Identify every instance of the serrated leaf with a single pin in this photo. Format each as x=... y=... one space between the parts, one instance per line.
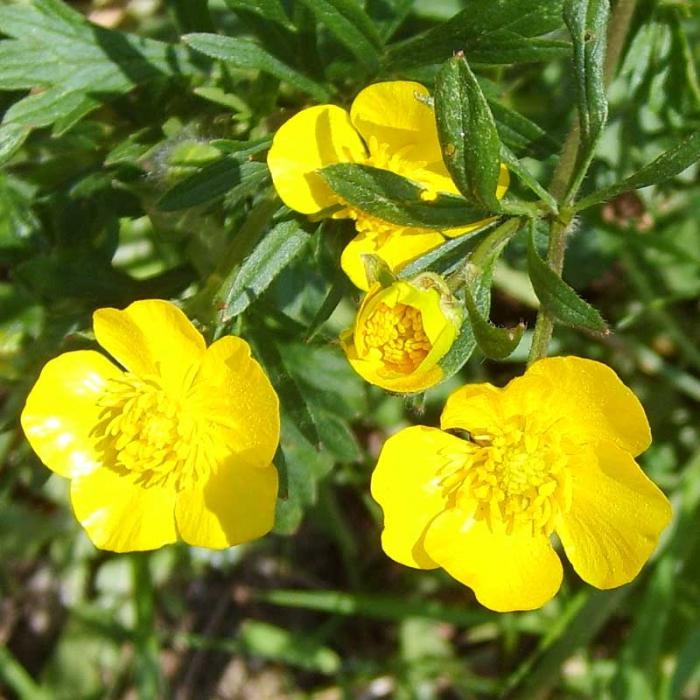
x=489 y=32
x=559 y=298
x=496 y=343
x=79 y=65
x=395 y=199
x=672 y=162
x=212 y=181
x=468 y=135
x=347 y=21
x=587 y=21
x=246 y=54
x=275 y=251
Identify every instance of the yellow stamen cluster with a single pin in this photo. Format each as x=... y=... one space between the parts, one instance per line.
x=515 y=479
x=397 y=333
x=151 y=433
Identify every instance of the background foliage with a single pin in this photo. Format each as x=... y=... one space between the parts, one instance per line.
x=132 y=153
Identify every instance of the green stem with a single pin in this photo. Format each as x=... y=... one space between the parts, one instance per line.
x=146 y=664
x=567 y=178
x=17 y=679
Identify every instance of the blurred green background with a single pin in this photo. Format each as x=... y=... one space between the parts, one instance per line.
x=125 y=188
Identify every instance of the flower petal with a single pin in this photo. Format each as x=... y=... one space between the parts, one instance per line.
x=121 y=515
x=396 y=249
x=593 y=400
x=473 y=407
x=61 y=411
x=506 y=572
x=310 y=140
x=394 y=114
x=236 y=505
x=615 y=520
x=234 y=393
x=405 y=484
x=151 y=337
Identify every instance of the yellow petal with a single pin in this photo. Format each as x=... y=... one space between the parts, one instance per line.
x=473 y=407
x=393 y=113
x=405 y=483
x=61 y=412
x=593 y=401
x=506 y=572
x=615 y=520
x=234 y=393
x=236 y=505
x=151 y=338
x=121 y=515
x=396 y=249
x=310 y=140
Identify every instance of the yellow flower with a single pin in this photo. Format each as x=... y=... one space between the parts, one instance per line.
x=179 y=444
x=552 y=452
x=401 y=332
x=390 y=126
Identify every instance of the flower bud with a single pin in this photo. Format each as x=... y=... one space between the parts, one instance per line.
x=401 y=333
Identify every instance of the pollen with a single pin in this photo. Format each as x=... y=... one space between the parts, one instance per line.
x=514 y=479
x=396 y=333
x=151 y=433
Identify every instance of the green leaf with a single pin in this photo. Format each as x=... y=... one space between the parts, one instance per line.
x=246 y=54
x=347 y=21
x=272 y=10
x=587 y=21
x=672 y=162
x=470 y=144
x=276 y=250
x=496 y=343
x=395 y=199
x=518 y=132
x=517 y=168
x=290 y=648
x=489 y=32
x=12 y=136
x=212 y=181
x=559 y=298
x=191 y=15
x=78 y=65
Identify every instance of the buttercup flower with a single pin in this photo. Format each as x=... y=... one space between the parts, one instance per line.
x=178 y=444
x=401 y=332
x=552 y=452
x=390 y=126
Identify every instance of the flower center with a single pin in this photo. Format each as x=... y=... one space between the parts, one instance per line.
x=152 y=434
x=515 y=479
x=396 y=333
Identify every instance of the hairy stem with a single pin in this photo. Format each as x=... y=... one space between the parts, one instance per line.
x=561 y=187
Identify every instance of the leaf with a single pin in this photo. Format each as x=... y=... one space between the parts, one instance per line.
x=347 y=21
x=276 y=250
x=395 y=199
x=79 y=65
x=210 y=182
x=272 y=10
x=519 y=133
x=516 y=167
x=496 y=343
x=559 y=298
x=587 y=21
x=489 y=32
x=246 y=54
x=468 y=135
x=672 y=162
x=12 y=136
